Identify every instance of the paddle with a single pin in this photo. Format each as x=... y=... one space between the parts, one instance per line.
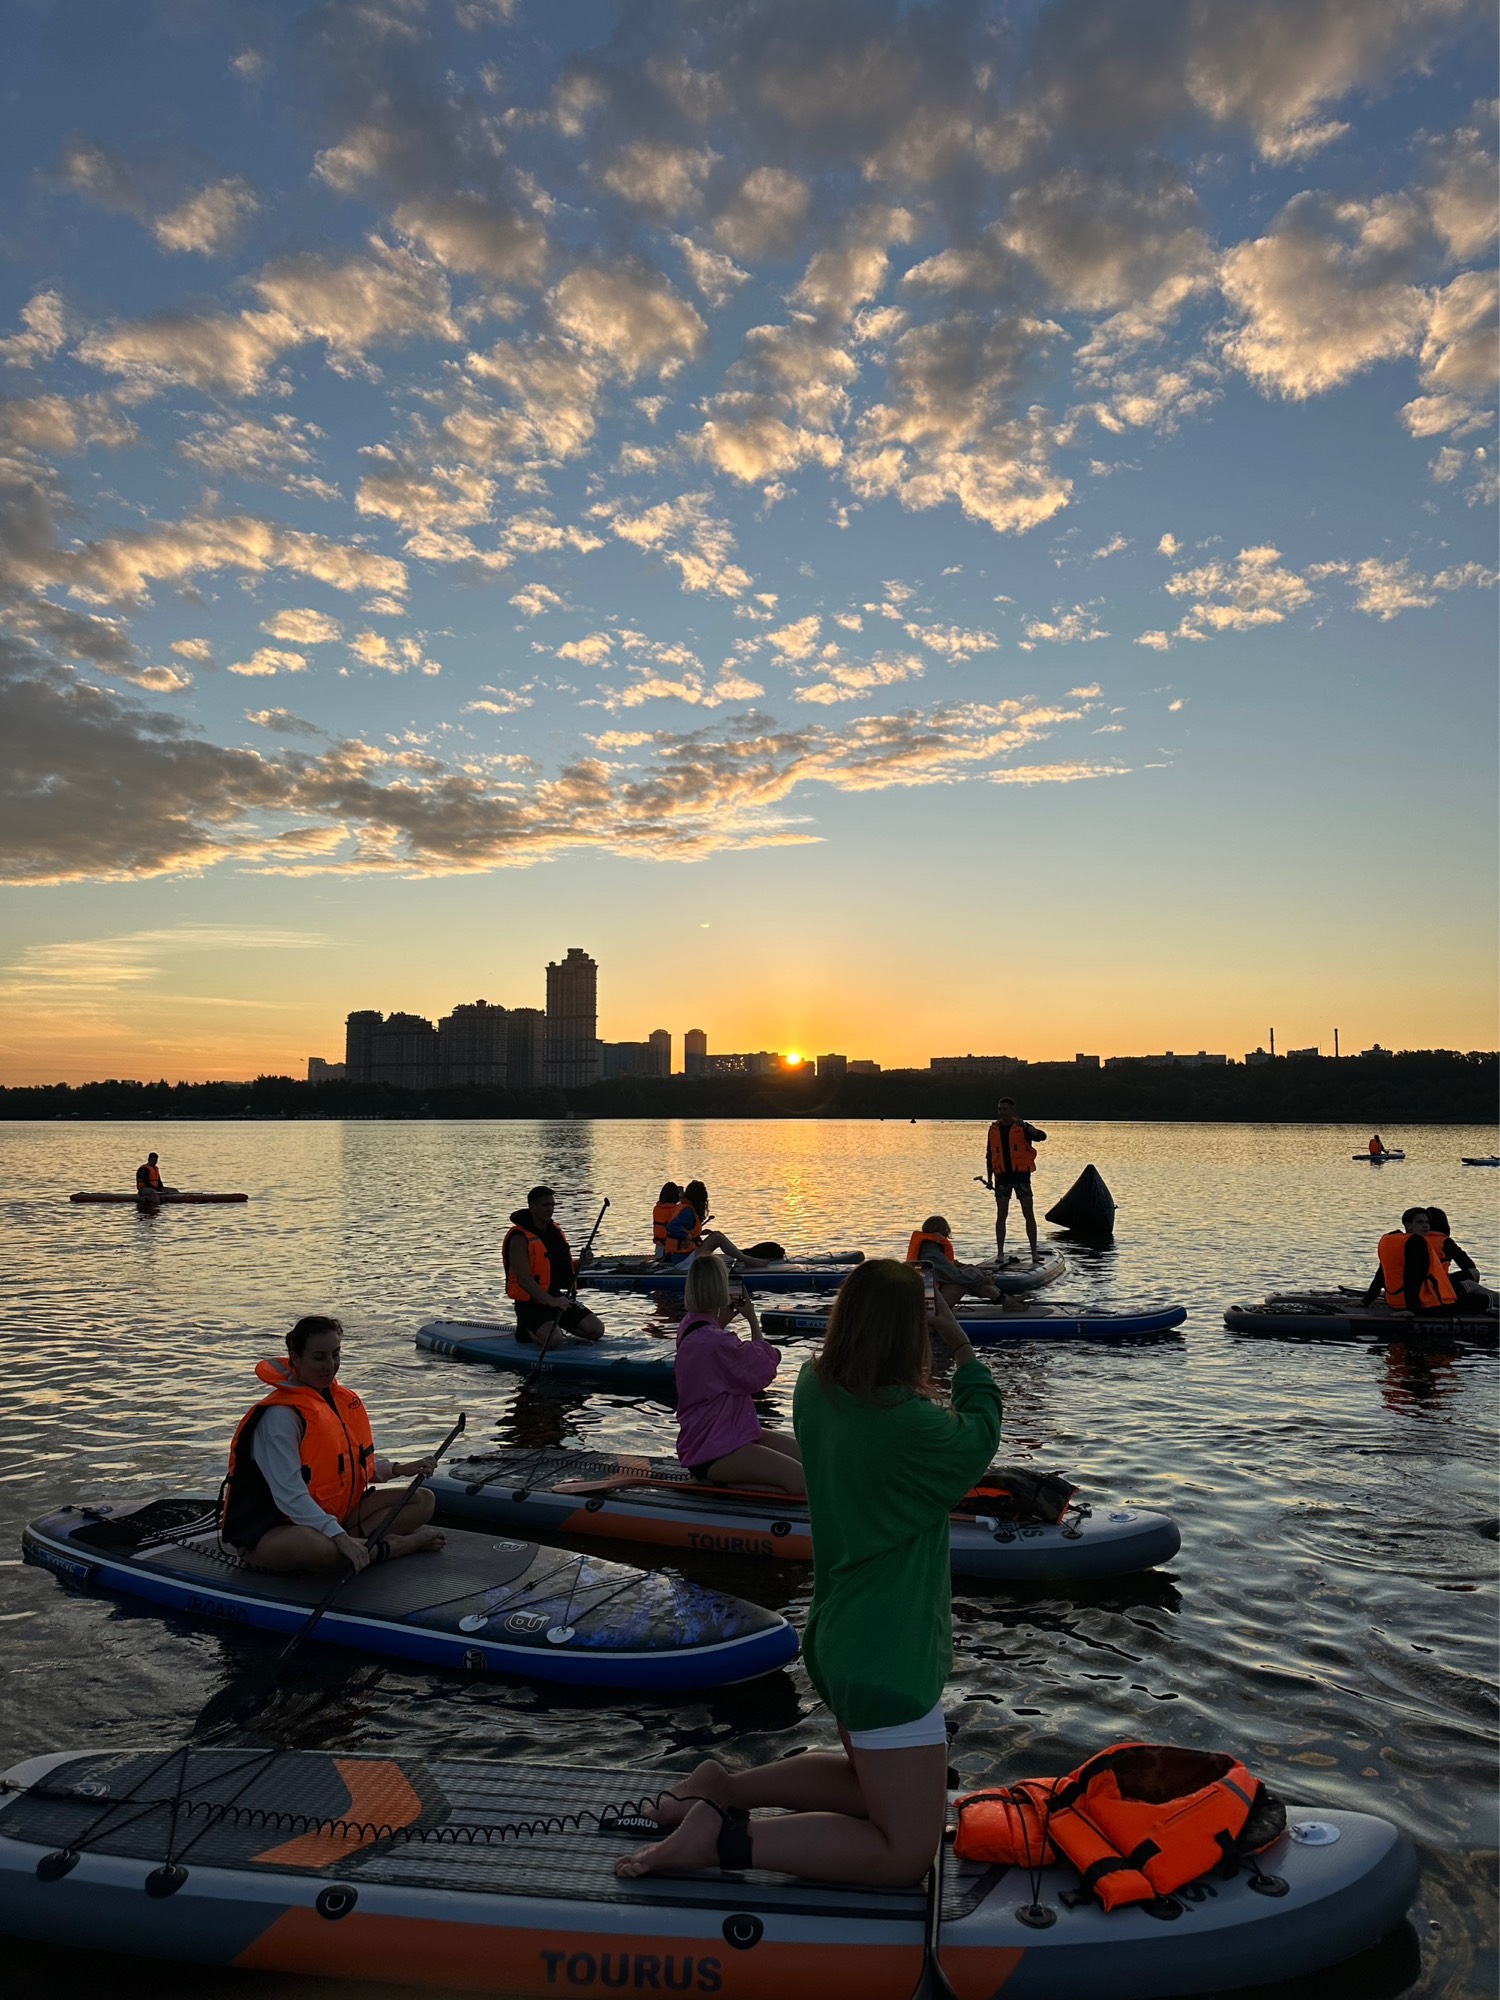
x=543 y=1346
x=241 y=1713
x=933 y=1983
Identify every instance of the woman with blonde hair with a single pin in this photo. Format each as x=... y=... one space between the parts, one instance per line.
x=886 y=1463
x=720 y=1439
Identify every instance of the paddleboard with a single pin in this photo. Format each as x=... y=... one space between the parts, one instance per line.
x=1020 y=1275
x=1492 y=1161
x=1336 y=1316
x=646 y=1266
x=638 y=1364
x=499 y=1878
x=658 y=1500
x=149 y=1198
x=481 y=1604
x=994 y=1325
x=1378 y=1159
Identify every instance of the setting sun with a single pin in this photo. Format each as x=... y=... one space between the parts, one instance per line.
x=792 y=1058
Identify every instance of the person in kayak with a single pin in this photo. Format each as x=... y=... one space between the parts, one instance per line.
x=886 y=1462
x=1413 y=1274
x=720 y=1439
x=539 y=1278
x=299 y=1498
x=1009 y=1157
x=684 y=1236
x=1471 y=1293
x=932 y=1246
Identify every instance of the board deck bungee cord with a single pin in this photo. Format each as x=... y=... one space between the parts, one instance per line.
x=809 y=1275
x=994 y=1324
x=601 y=1495
x=499 y=1878
x=481 y=1605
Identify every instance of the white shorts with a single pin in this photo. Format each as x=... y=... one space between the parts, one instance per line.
x=928 y=1729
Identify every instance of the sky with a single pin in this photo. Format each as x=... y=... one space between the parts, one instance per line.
x=902 y=530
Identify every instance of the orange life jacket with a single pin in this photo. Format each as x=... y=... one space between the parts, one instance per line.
x=919 y=1237
x=1376 y=1146
x=337 y=1453
x=1137 y=1821
x=148 y=1177
x=1011 y=1152
x=541 y=1263
x=1437 y=1286
x=677 y=1245
x=661 y=1215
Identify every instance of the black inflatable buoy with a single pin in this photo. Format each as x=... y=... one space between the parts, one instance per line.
x=1087 y=1209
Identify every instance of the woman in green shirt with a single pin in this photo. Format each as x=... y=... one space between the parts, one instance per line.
x=886 y=1463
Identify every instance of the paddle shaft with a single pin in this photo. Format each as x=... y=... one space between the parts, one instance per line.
x=544 y=1345
x=306 y=1631
x=933 y=1983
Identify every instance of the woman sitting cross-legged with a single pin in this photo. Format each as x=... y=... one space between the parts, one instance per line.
x=886 y=1462
x=299 y=1498
x=719 y=1437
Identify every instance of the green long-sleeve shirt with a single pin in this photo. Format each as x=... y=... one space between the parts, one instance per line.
x=882 y=1480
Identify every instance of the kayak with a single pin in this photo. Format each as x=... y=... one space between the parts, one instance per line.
x=635 y=1499
x=1378 y=1159
x=1016 y=1275
x=991 y=1325
x=1492 y=1161
x=1087 y=1209
x=639 y=1364
x=499 y=1878
x=1340 y=1316
x=482 y=1605
x=150 y=1199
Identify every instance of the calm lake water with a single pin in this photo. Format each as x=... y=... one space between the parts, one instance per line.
x=1331 y=1616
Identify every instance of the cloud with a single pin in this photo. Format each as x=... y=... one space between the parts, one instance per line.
x=477 y=235
x=953 y=642
x=533 y=599
x=303 y=627
x=847 y=680
x=392 y=656
x=684 y=533
x=46 y=322
x=1461 y=197
x=269 y=660
x=662 y=179
x=1385 y=589
x=58 y=426
x=1235 y=597
x=1101 y=239
x=591 y=651
x=121 y=567
x=798 y=641
x=272 y=452
x=210 y=221
x=716 y=276
x=281 y=722
x=766 y=216
x=198 y=650
x=1076 y=626
x=629 y=315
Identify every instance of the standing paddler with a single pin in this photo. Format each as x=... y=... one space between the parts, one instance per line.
x=1009 y=1157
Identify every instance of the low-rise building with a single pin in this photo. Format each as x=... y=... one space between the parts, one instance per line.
x=974 y=1065
x=319 y=1071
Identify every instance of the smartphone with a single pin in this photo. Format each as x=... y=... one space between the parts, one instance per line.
x=737 y=1292
x=929 y=1289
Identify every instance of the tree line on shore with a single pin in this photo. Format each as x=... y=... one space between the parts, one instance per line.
x=1423 y=1086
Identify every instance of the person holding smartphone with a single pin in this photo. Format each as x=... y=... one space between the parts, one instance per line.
x=886 y=1463
x=720 y=1439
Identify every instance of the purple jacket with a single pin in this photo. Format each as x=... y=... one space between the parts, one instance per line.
x=717 y=1374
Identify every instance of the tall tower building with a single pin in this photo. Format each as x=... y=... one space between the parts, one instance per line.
x=359 y=1044
x=694 y=1052
x=573 y=1021
x=659 y=1052
x=473 y=1043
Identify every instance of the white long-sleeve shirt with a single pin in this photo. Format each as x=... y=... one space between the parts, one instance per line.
x=276 y=1447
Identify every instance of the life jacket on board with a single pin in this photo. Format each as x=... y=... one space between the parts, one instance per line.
x=919 y=1237
x=537 y=1254
x=1011 y=1152
x=661 y=1215
x=1437 y=1286
x=337 y=1454
x=1137 y=1821
x=678 y=1244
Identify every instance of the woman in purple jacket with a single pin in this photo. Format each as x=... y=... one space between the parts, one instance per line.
x=720 y=1439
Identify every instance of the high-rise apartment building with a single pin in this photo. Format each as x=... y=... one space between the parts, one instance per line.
x=659 y=1045
x=526 y=1048
x=391 y=1048
x=832 y=1067
x=694 y=1052
x=474 y=1044
x=573 y=1021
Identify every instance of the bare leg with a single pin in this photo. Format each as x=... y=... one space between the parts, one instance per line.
x=293 y=1551
x=1028 y=1216
x=891 y=1846
x=408 y=1534
x=817 y=1781
x=1002 y=1211
x=715 y=1239
x=781 y=1441
x=760 y=1465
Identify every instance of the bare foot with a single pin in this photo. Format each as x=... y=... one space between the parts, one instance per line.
x=694 y=1844
x=427 y=1541
x=708 y=1780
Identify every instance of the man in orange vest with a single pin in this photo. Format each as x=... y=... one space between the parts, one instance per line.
x=539 y=1279
x=148 y=1183
x=1009 y=1156
x=1413 y=1272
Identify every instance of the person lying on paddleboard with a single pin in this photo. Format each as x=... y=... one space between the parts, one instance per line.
x=540 y=1280
x=720 y=1439
x=886 y=1462
x=1472 y=1294
x=1413 y=1273
x=300 y=1494
x=148 y=1179
x=932 y=1246
x=684 y=1236
x=1009 y=1157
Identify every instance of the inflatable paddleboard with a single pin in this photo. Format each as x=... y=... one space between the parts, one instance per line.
x=1378 y=1159
x=149 y=1198
x=657 y=1500
x=1016 y=1275
x=480 y=1604
x=646 y=1266
x=1492 y=1161
x=499 y=1878
x=1339 y=1316
x=637 y=1364
x=993 y=1325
